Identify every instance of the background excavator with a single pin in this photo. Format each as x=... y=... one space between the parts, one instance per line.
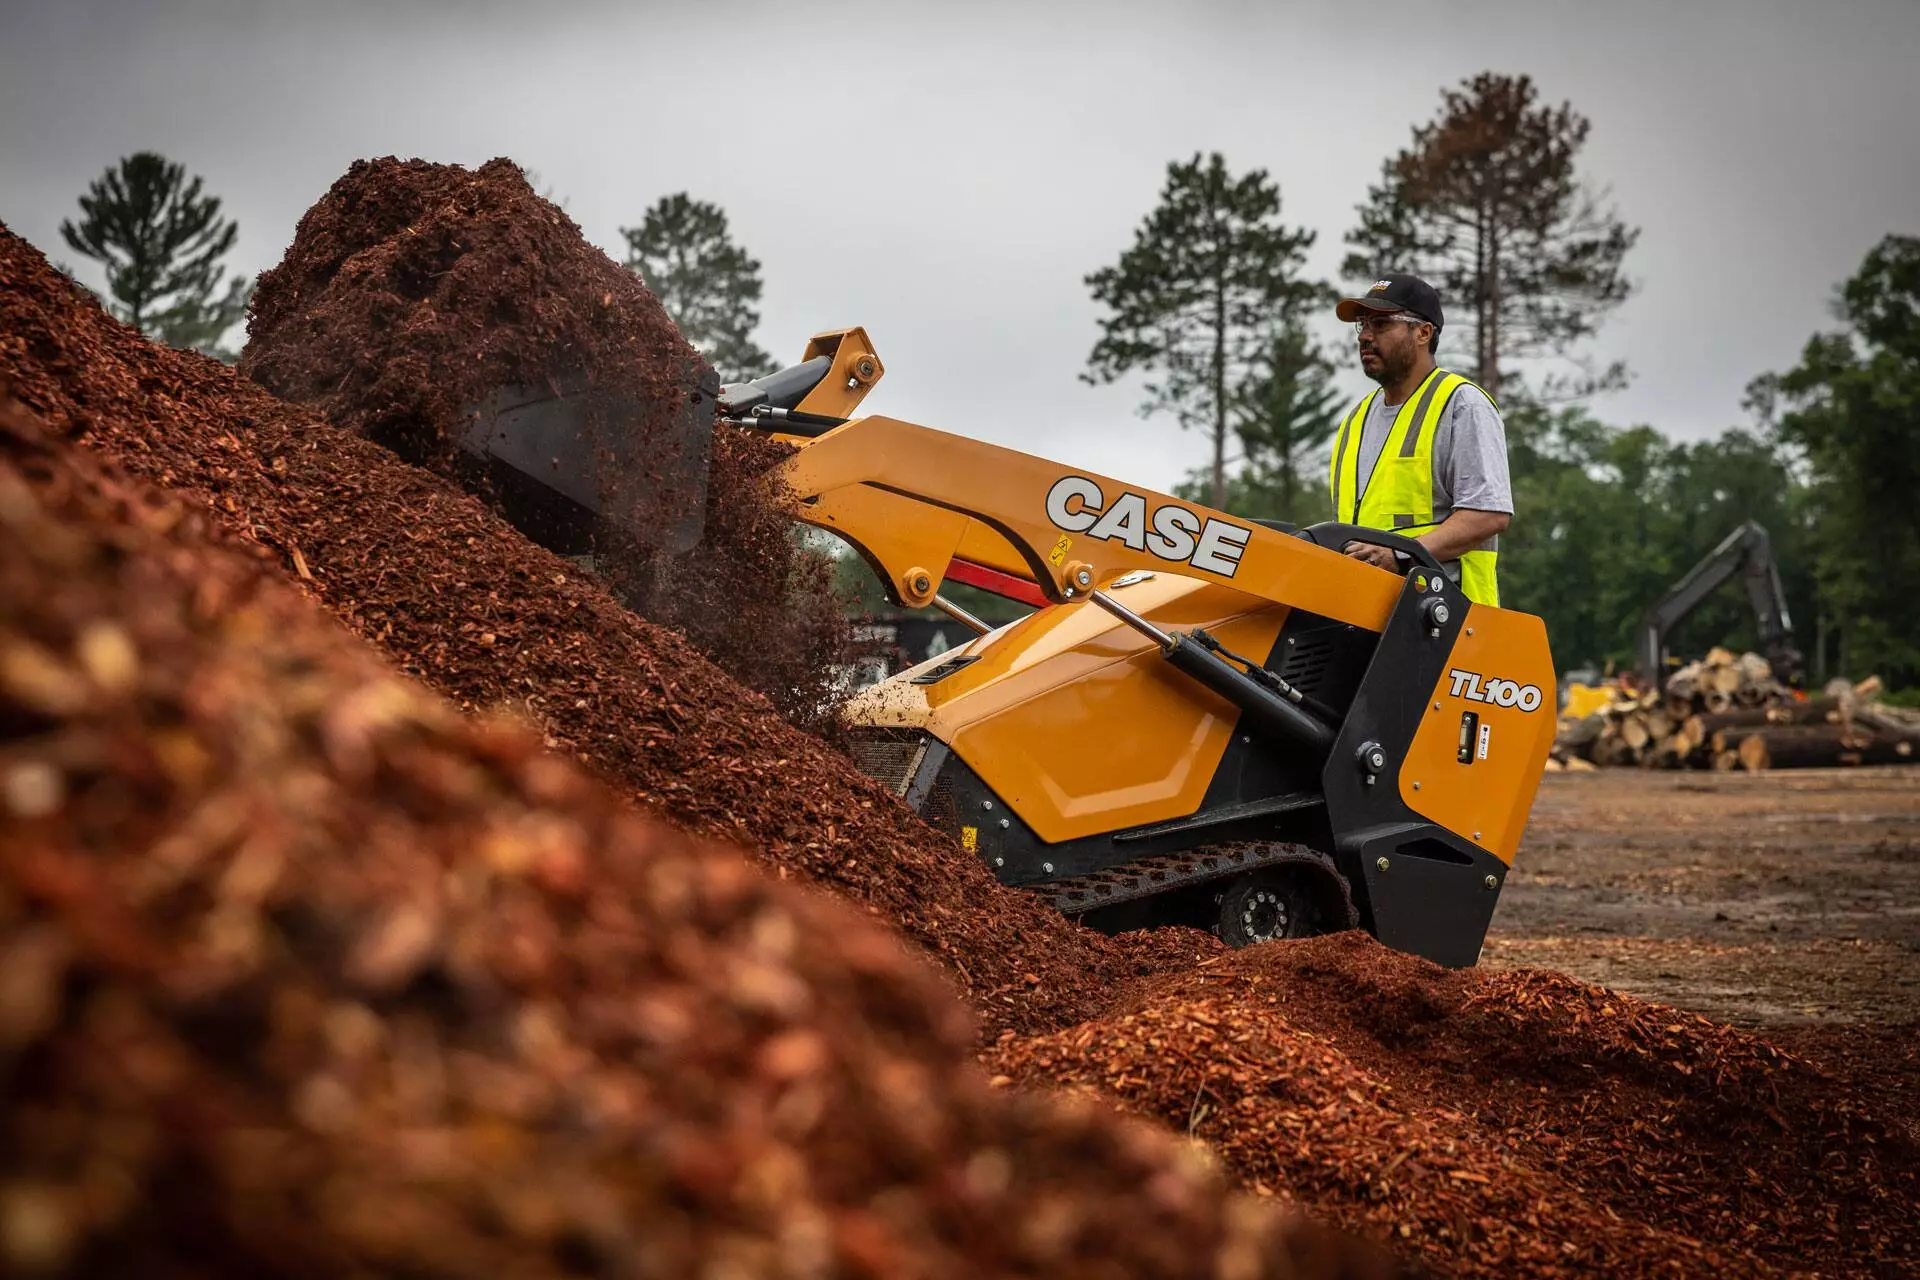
x=1748 y=552
x=1205 y=720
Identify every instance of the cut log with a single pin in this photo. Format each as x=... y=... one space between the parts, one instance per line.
x=1726 y=761
x=1717 y=702
x=1818 y=746
x=1684 y=683
x=1581 y=732
x=1612 y=750
x=1667 y=754
x=1891 y=748
x=1895 y=719
x=1814 y=711
x=1634 y=732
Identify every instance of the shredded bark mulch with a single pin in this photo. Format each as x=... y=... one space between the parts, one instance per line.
x=454 y=595
x=304 y=973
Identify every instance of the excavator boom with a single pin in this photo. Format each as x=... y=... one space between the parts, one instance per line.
x=1748 y=552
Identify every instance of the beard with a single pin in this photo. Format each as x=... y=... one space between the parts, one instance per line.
x=1391 y=367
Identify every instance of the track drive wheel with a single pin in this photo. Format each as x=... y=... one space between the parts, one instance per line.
x=1265 y=905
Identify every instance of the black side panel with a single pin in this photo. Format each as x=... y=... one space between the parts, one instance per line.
x=1419 y=887
x=1323 y=659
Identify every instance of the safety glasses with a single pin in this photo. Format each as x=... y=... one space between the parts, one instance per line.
x=1378 y=324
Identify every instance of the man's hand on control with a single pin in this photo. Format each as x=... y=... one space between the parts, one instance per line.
x=1380 y=557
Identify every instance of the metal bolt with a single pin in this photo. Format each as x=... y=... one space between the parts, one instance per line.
x=1469 y=630
x=986 y=804
x=1381 y=863
x=999 y=862
x=1047 y=867
x=1416 y=786
x=1084 y=577
x=1476 y=835
x=1492 y=883
x=1005 y=823
x=1436 y=706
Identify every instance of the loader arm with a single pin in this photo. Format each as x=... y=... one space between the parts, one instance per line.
x=918 y=502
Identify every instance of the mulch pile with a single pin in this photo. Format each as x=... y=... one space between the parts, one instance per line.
x=412 y=291
x=1503 y=1118
x=303 y=973
x=1508 y=1121
x=458 y=598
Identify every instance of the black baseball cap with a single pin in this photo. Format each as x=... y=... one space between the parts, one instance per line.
x=1395 y=293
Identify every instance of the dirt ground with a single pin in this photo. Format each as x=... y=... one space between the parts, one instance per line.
x=1787 y=901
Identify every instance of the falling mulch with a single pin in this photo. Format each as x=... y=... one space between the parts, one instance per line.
x=414 y=291
x=1662 y=1122
x=304 y=973
x=455 y=596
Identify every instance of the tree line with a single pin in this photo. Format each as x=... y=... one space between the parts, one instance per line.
x=1211 y=310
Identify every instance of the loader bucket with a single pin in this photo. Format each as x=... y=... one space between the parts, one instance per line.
x=564 y=458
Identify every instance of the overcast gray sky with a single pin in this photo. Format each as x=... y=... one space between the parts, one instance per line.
x=946 y=174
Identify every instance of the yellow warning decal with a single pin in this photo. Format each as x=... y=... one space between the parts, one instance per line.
x=1058 y=555
x=970 y=838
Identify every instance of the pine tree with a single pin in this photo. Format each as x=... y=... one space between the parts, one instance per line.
x=161 y=242
x=1194 y=303
x=708 y=285
x=1287 y=414
x=1487 y=205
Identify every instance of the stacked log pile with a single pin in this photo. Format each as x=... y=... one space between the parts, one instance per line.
x=1727 y=711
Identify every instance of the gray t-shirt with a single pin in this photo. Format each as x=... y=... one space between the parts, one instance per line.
x=1469 y=456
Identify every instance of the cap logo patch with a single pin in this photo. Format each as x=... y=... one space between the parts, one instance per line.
x=1379 y=285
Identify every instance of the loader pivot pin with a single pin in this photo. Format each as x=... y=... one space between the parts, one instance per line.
x=917 y=586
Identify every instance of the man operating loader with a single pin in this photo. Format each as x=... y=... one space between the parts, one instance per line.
x=1425 y=453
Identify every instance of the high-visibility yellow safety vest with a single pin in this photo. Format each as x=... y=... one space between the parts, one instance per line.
x=1399 y=491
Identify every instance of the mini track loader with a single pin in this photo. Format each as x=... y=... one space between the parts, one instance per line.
x=1205 y=720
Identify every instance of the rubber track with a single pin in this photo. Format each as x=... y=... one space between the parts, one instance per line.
x=1150 y=877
